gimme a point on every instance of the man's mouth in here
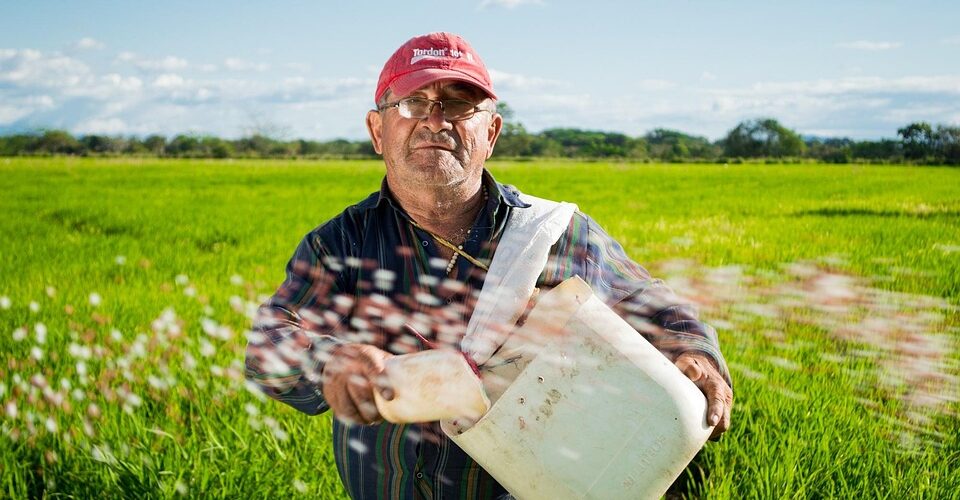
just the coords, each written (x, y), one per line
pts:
(433, 146)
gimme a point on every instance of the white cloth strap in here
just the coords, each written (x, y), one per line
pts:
(518, 261)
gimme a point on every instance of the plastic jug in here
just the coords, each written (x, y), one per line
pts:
(583, 407)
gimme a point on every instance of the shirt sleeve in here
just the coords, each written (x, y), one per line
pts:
(295, 330)
(668, 322)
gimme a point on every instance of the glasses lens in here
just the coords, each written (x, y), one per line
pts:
(457, 109)
(414, 107)
(419, 108)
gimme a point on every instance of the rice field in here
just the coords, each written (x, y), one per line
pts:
(127, 286)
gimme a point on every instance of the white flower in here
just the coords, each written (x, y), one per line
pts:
(116, 335)
(236, 280)
(4, 302)
(19, 334)
(134, 400)
(36, 353)
(190, 291)
(12, 410)
(41, 332)
(300, 486)
(251, 409)
(189, 361)
(51, 291)
(95, 299)
(51, 425)
(182, 279)
(236, 303)
(207, 349)
(120, 260)
(34, 307)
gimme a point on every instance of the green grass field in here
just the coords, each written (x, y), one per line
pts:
(126, 287)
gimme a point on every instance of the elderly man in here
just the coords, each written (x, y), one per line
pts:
(416, 253)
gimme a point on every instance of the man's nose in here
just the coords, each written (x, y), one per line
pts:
(435, 120)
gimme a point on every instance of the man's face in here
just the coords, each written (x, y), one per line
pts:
(433, 151)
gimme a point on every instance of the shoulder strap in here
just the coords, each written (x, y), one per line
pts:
(517, 262)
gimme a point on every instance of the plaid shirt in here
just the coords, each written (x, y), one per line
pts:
(363, 274)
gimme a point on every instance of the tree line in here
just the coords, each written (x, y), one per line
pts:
(763, 139)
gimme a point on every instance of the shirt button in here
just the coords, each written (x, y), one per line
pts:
(419, 475)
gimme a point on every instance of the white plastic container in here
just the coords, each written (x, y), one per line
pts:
(432, 385)
(583, 407)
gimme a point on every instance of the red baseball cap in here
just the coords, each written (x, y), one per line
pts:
(427, 58)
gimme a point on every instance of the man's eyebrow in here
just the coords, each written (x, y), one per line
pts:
(459, 89)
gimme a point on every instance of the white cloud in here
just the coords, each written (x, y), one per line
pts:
(512, 81)
(163, 64)
(87, 43)
(29, 67)
(858, 107)
(510, 4)
(299, 67)
(869, 45)
(106, 126)
(707, 76)
(16, 108)
(653, 85)
(168, 81)
(50, 89)
(951, 40)
(237, 64)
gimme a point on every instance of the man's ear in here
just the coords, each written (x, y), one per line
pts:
(493, 132)
(375, 129)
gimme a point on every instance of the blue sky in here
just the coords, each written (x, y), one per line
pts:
(308, 69)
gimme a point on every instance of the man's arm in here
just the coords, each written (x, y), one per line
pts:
(649, 305)
(294, 331)
(299, 351)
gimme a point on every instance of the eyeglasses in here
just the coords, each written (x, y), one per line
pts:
(421, 107)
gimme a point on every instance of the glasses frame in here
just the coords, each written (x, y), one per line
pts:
(396, 104)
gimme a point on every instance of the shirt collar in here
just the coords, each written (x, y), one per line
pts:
(504, 192)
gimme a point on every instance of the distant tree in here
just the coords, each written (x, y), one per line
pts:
(884, 149)
(762, 137)
(211, 146)
(102, 145)
(155, 144)
(57, 142)
(673, 145)
(578, 143)
(832, 150)
(947, 143)
(183, 146)
(514, 139)
(918, 140)
(19, 144)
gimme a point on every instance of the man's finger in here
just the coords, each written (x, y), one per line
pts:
(382, 384)
(362, 396)
(691, 368)
(343, 406)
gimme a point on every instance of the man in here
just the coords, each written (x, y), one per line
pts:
(411, 258)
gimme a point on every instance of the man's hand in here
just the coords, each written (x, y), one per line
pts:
(350, 376)
(703, 372)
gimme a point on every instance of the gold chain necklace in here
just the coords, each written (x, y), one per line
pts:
(457, 249)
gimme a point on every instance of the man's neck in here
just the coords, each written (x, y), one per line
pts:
(448, 211)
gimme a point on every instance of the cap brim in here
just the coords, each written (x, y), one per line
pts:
(402, 86)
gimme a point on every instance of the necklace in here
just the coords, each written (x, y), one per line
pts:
(457, 249)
